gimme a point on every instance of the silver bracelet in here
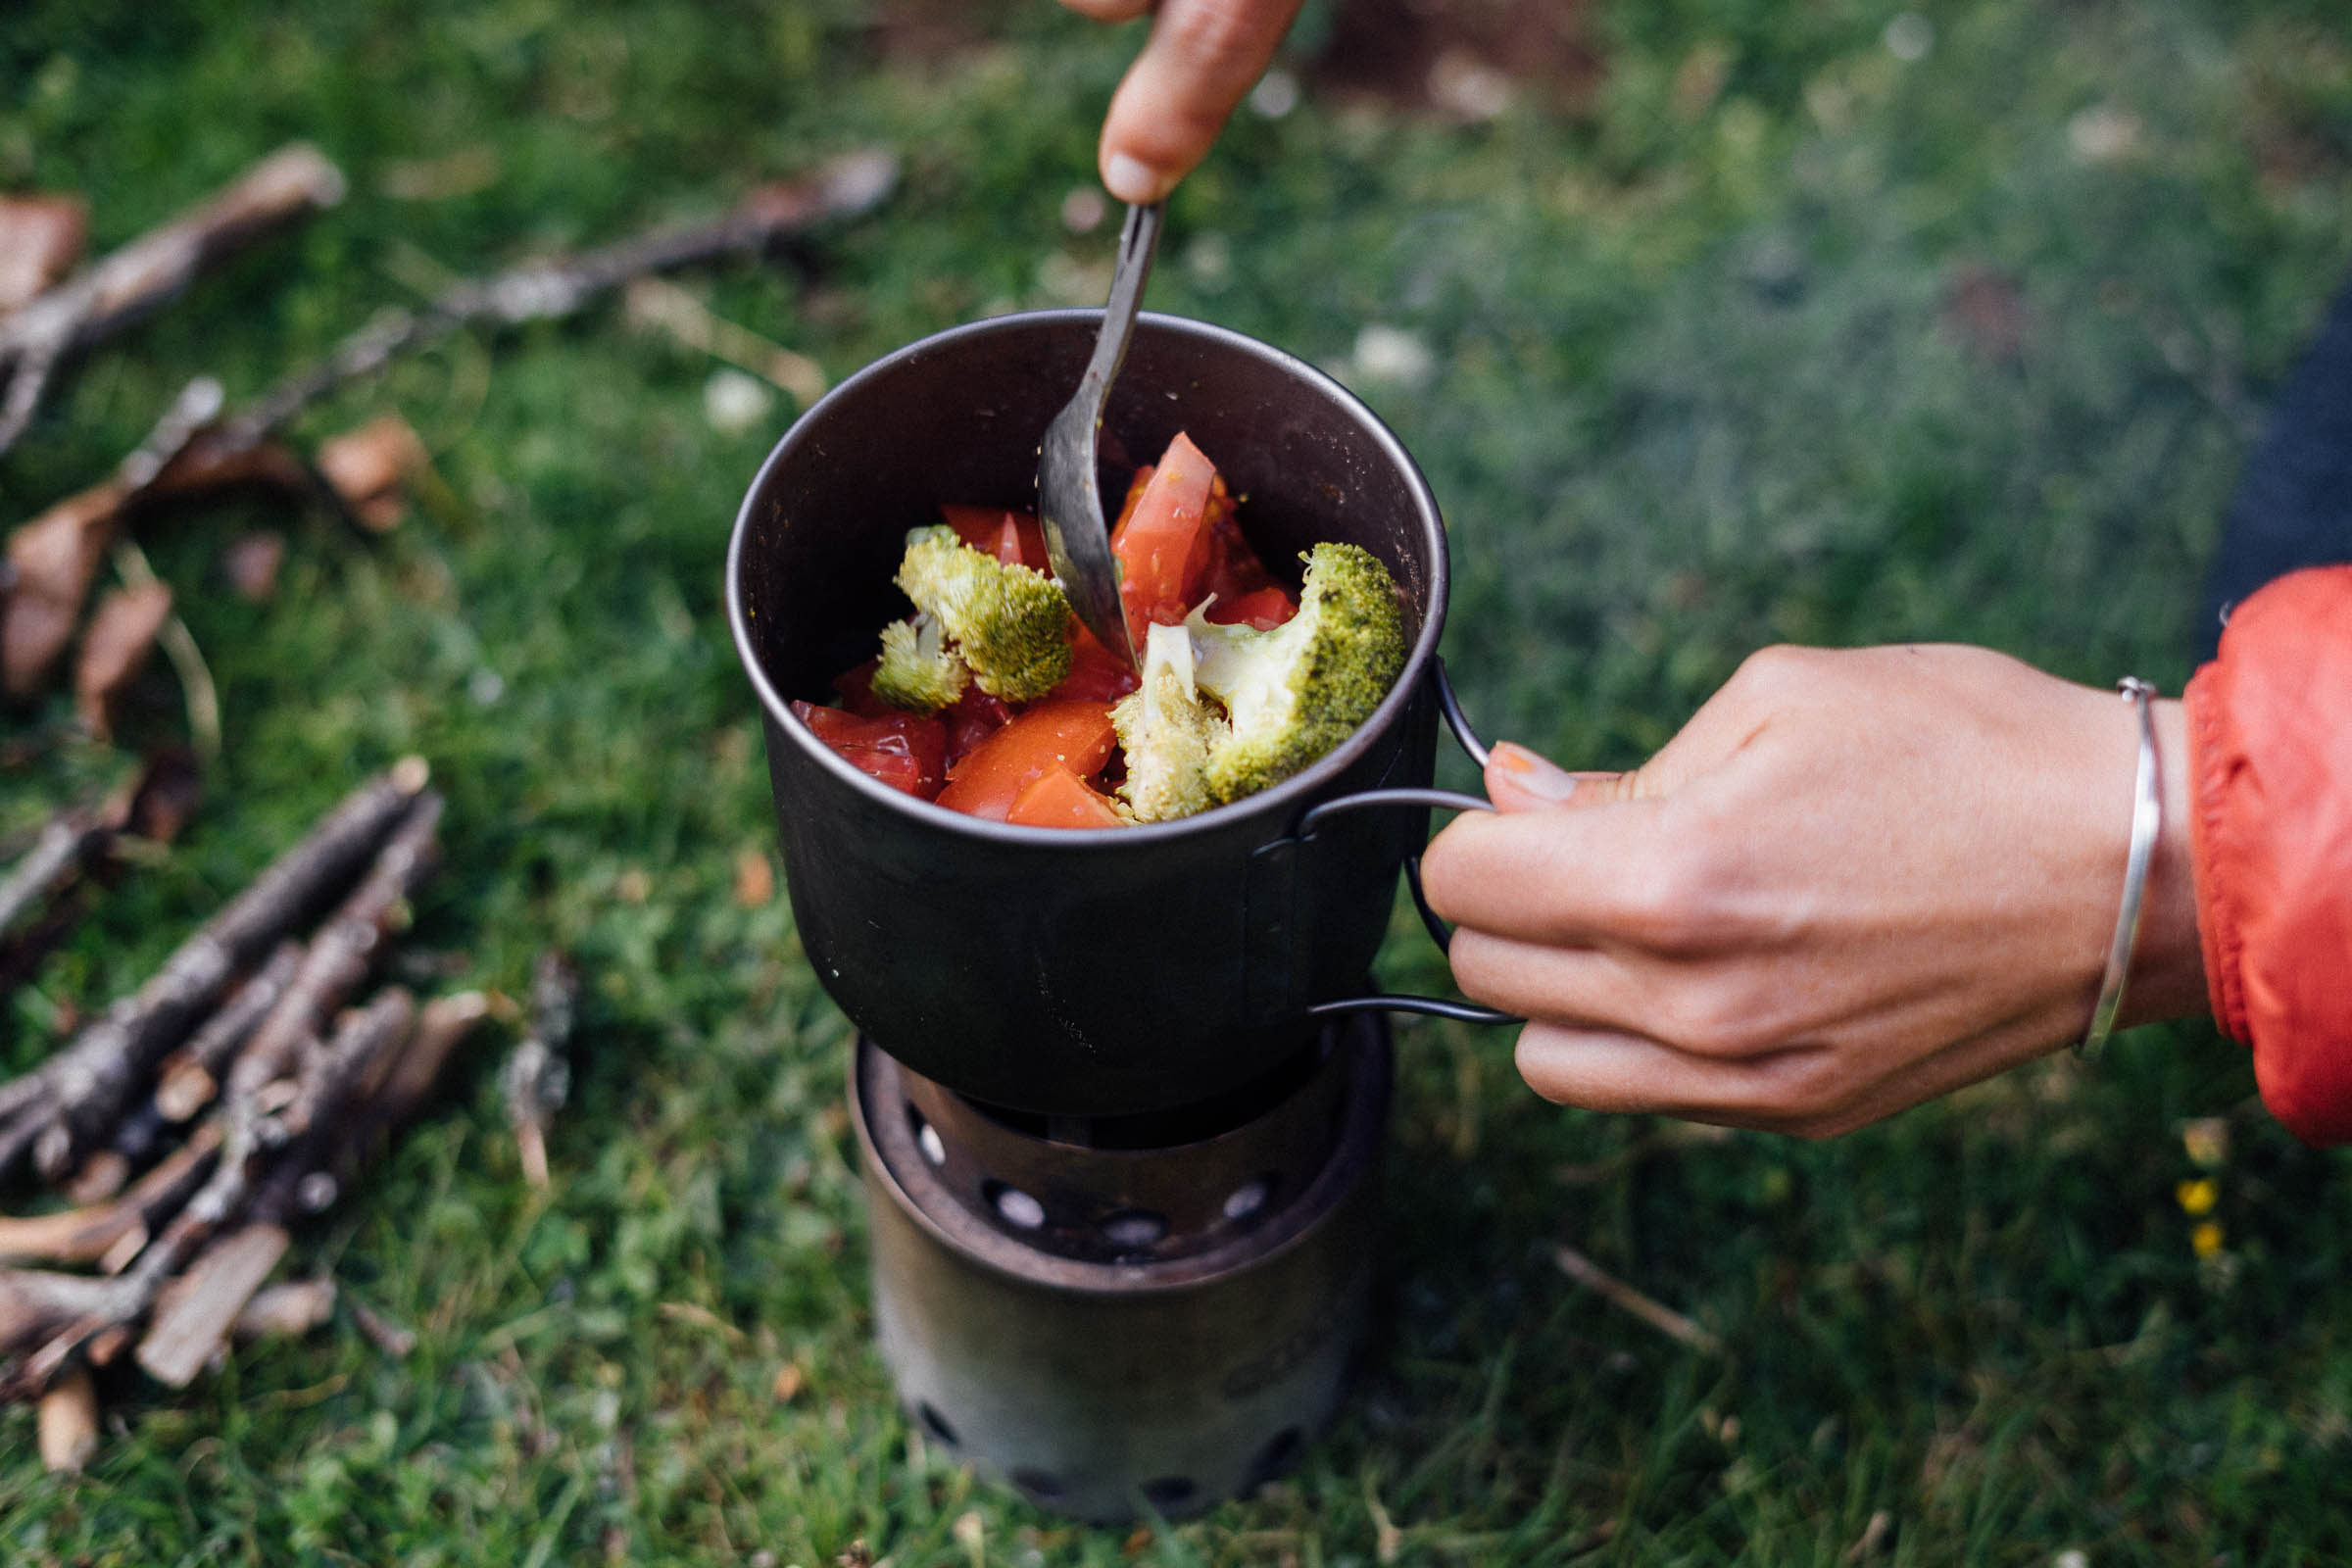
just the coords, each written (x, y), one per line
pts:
(2147, 822)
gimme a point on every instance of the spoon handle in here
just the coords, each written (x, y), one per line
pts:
(1138, 239)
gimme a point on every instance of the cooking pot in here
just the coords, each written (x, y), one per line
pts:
(1085, 972)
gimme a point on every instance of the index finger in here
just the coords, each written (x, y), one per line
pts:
(1201, 58)
(1566, 876)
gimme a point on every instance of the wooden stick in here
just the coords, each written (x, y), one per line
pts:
(82, 1087)
(85, 1235)
(190, 1077)
(298, 1133)
(339, 955)
(68, 1424)
(82, 525)
(536, 1078)
(291, 183)
(1665, 1319)
(842, 188)
(194, 1318)
(285, 1310)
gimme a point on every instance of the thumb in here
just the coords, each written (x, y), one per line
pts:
(1519, 780)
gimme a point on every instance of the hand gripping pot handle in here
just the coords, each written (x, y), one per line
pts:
(1439, 931)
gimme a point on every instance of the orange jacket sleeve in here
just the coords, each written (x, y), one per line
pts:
(2270, 736)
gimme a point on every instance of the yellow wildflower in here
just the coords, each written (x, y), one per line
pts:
(2198, 1196)
(2206, 1238)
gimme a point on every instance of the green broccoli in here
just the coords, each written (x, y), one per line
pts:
(1293, 693)
(1167, 731)
(1010, 625)
(917, 671)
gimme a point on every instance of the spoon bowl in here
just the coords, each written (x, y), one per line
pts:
(1070, 498)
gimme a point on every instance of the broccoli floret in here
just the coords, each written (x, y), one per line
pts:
(1167, 732)
(1009, 624)
(916, 670)
(1295, 691)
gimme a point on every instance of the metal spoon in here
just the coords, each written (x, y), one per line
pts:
(1069, 499)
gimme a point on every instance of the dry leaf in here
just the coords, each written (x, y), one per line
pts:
(42, 237)
(120, 635)
(789, 1382)
(754, 879)
(53, 559)
(367, 465)
(251, 563)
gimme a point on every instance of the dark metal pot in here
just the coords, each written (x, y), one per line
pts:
(1078, 972)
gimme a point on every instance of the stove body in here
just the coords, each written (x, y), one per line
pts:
(1115, 1329)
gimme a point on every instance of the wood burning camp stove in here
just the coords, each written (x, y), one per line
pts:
(1120, 1095)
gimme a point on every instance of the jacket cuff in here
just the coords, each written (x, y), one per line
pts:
(2269, 727)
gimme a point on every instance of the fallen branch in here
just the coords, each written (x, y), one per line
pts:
(1665, 1319)
(37, 336)
(82, 1087)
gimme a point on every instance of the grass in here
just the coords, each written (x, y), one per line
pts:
(1703, 377)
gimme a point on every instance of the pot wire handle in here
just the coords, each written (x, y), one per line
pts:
(1439, 931)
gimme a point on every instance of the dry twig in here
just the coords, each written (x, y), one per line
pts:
(35, 337)
(1665, 1319)
(537, 1079)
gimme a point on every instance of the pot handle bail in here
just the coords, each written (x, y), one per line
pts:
(1439, 931)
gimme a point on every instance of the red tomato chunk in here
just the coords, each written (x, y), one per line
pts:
(905, 751)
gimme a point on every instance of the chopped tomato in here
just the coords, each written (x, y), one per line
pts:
(1095, 672)
(856, 688)
(1235, 568)
(1264, 608)
(1135, 493)
(1163, 545)
(1073, 735)
(1060, 798)
(1016, 538)
(972, 719)
(905, 751)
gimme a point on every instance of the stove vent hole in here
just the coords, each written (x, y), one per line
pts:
(1041, 1486)
(1134, 1228)
(927, 1136)
(1247, 1199)
(935, 1423)
(1012, 1205)
(1170, 1492)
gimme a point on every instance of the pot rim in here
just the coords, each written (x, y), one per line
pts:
(1291, 792)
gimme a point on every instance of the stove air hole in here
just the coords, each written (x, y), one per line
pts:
(927, 1136)
(1134, 1228)
(1170, 1492)
(935, 1423)
(1040, 1485)
(1248, 1199)
(1014, 1206)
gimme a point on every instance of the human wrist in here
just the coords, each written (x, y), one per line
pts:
(2166, 976)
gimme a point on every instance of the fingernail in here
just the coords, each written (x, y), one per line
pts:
(1530, 773)
(1131, 180)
